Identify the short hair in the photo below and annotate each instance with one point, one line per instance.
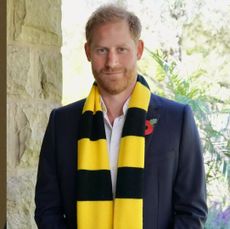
(113, 13)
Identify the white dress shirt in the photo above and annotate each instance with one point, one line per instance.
(113, 136)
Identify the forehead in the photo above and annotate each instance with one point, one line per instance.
(111, 32)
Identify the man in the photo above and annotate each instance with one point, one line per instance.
(123, 158)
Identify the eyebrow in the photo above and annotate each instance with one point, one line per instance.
(103, 46)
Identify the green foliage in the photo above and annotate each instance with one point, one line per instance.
(188, 90)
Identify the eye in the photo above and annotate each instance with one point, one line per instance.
(101, 51)
(122, 50)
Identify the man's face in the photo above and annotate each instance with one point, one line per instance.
(113, 55)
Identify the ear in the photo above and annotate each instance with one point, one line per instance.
(140, 49)
(87, 51)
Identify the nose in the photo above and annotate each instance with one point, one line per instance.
(112, 59)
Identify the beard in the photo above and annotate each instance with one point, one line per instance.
(115, 81)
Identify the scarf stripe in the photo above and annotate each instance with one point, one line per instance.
(129, 182)
(131, 145)
(91, 126)
(128, 214)
(95, 185)
(90, 158)
(94, 214)
(96, 208)
(137, 117)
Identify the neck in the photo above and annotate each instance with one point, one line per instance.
(115, 103)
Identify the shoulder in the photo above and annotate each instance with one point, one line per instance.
(162, 102)
(72, 107)
(70, 111)
(169, 108)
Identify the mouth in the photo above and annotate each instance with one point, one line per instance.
(112, 72)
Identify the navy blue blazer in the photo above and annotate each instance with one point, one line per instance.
(174, 178)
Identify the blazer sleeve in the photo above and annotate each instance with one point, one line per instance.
(48, 212)
(190, 207)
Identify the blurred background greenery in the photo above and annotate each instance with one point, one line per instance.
(187, 59)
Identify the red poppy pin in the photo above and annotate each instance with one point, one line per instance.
(149, 126)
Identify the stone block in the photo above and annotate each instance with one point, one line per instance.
(34, 74)
(35, 35)
(16, 11)
(18, 67)
(50, 75)
(20, 200)
(37, 22)
(26, 124)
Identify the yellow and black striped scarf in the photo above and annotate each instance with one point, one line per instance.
(96, 208)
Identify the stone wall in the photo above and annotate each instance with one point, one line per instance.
(34, 87)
